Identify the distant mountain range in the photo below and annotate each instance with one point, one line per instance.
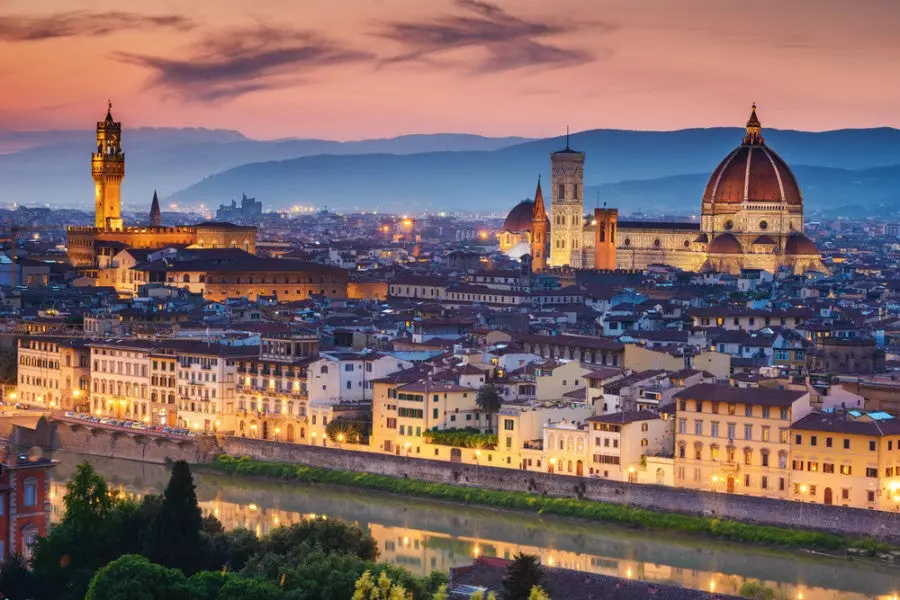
(844, 170)
(53, 167)
(637, 171)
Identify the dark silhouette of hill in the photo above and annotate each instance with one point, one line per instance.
(636, 171)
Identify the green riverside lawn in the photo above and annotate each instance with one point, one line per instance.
(566, 507)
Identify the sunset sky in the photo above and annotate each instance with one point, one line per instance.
(351, 69)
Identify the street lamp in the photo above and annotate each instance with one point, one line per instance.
(277, 434)
(407, 445)
(477, 457)
(552, 464)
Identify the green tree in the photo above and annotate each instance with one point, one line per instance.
(239, 588)
(321, 576)
(329, 535)
(441, 594)
(95, 529)
(521, 575)
(207, 584)
(87, 500)
(16, 580)
(174, 536)
(489, 401)
(133, 577)
(367, 588)
(756, 590)
(345, 431)
(538, 593)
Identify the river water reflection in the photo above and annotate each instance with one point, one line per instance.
(424, 536)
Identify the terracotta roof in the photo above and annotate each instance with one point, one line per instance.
(520, 217)
(752, 173)
(715, 392)
(844, 422)
(725, 243)
(565, 584)
(623, 418)
(799, 244)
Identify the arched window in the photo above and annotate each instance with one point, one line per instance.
(324, 369)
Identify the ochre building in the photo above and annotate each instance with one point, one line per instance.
(87, 244)
(751, 217)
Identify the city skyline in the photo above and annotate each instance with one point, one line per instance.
(380, 69)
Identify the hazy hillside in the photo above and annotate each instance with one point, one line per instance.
(54, 166)
(651, 165)
(636, 170)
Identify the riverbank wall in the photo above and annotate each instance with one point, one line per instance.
(55, 434)
(87, 438)
(834, 519)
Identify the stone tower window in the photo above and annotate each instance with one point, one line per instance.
(575, 192)
(627, 241)
(763, 225)
(729, 225)
(561, 191)
(657, 243)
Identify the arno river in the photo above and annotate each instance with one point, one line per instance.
(423, 536)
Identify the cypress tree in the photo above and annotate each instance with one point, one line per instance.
(174, 537)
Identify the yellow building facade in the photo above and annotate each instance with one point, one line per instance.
(736, 440)
(847, 458)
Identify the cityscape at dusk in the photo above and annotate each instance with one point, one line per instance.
(456, 299)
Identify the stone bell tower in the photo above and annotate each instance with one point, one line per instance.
(108, 170)
(566, 207)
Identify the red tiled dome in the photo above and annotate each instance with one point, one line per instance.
(520, 217)
(725, 243)
(752, 173)
(798, 244)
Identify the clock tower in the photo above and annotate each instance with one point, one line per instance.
(108, 169)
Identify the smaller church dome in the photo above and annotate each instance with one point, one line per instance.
(725, 244)
(799, 244)
(520, 217)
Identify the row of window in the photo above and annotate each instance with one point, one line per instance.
(120, 368)
(731, 431)
(765, 411)
(829, 442)
(730, 453)
(813, 467)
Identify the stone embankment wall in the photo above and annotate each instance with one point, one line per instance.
(836, 519)
(100, 441)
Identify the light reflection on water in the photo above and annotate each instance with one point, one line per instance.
(424, 536)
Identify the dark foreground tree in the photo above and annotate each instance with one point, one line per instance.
(133, 577)
(174, 536)
(16, 580)
(522, 574)
(489, 401)
(95, 529)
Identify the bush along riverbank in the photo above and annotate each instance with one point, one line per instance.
(565, 507)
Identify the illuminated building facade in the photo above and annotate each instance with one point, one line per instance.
(86, 244)
(751, 218)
